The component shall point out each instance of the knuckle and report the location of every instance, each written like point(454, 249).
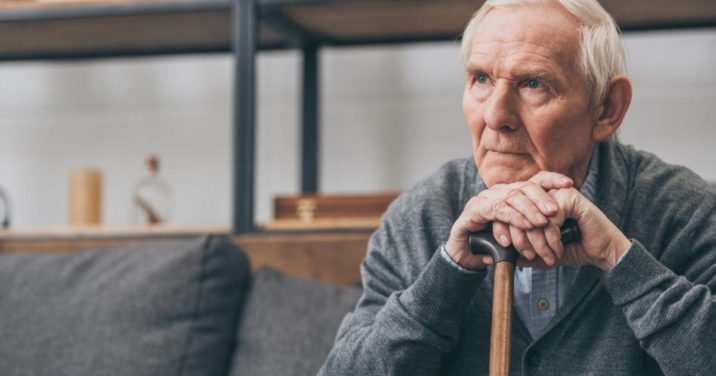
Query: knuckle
point(498, 206)
point(513, 193)
point(559, 194)
point(474, 200)
point(507, 214)
point(474, 217)
point(513, 185)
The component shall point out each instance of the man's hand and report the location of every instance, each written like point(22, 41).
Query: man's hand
point(602, 242)
point(515, 210)
point(528, 215)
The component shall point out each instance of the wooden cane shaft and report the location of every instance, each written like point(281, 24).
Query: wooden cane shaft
point(501, 319)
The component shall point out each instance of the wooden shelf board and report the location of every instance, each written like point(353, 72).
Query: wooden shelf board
point(54, 4)
point(103, 232)
point(346, 21)
point(105, 28)
point(323, 224)
point(327, 256)
point(119, 28)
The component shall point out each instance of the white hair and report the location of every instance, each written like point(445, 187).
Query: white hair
point(602, 50)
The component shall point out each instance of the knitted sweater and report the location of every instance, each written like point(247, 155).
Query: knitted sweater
point(654, 313)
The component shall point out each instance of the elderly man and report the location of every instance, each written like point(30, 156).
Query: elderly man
point(545, 94)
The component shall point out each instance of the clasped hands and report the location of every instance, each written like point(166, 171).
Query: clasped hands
point(528, 216)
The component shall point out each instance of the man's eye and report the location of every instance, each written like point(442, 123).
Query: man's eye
point(533, 83)
point(481, 79)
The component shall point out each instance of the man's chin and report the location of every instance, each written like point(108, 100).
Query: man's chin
point(502, 175)
point(505, 168)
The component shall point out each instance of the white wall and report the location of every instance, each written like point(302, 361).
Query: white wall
point(390, 116)
point(673, 112)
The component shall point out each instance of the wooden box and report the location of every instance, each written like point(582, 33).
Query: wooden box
point(334, 211)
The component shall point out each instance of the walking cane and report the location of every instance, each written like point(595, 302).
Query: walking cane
point(505, 260)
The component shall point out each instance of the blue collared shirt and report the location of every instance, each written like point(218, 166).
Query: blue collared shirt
point(540, 293)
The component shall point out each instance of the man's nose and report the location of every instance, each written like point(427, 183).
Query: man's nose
point(500, 112)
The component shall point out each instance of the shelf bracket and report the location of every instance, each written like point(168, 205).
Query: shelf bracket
point(310, 123)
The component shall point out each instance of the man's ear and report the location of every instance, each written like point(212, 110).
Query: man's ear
point(610, 113)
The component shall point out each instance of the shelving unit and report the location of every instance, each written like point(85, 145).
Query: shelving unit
point(82, 29)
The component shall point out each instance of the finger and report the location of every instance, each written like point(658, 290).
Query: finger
point(480, 211)
point(521, 244)
point(551, 180)
point(523, 204)
point(554, 239)
point(544, 201)
point(569, 201)
point(502, 233)
point(471, 219)
point(501, 211)
point(539, 244)
point(493, 206)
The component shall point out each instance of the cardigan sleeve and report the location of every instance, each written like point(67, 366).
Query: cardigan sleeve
point(673, 316)
point(402, 331)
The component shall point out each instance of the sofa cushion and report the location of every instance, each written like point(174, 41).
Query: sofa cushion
point(165, 308)
point(289, 325)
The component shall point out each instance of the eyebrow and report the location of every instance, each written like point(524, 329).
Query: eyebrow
point(519, 74)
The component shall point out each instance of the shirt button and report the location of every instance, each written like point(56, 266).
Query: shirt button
point(534, 358)
point(543, 304)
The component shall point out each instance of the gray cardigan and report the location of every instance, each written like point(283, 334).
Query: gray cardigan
point(654, 313)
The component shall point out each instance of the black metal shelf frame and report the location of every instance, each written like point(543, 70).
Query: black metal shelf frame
point(245, 38)
point(245, 47)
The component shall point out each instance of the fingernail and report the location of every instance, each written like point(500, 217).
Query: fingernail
point(550, 207)
point(549, 261)
point(528, 254)
point(541, 219)
point(504, 241)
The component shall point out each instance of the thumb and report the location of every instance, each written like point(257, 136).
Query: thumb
point(551, 180)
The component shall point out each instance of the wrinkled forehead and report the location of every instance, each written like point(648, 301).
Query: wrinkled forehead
point(547, 31)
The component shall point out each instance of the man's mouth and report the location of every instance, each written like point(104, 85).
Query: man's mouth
point(506, 152)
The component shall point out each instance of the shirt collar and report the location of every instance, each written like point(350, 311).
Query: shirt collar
point(589, 186)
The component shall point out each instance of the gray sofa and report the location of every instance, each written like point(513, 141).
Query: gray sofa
point(181, 308)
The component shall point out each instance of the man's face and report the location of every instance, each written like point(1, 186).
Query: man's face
point(526, 101)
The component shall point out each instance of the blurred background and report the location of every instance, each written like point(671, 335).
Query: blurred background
point(390, 115)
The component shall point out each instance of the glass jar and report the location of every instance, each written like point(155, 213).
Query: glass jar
point(151, 197)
